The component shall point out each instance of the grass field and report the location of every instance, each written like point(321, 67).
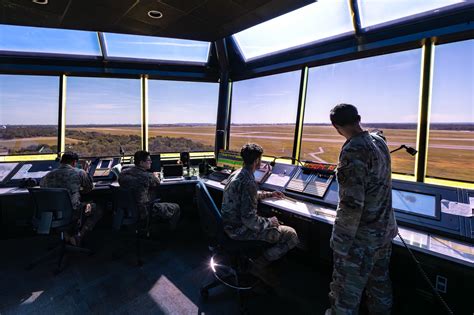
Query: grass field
point(26, 142)
point(450, 153)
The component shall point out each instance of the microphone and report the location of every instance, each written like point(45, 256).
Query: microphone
point(410, 150)
point(272, 163)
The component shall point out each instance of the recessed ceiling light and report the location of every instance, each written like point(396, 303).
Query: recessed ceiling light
point(154, 14)
point(40, 1)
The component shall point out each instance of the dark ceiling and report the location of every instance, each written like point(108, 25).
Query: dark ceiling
point(206, 20)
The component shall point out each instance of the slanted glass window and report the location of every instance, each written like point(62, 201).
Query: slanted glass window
point(322, 20)
point(156, 48)
point(264, 112)
point(181, 116)
point(451, 139)
point(379, 13)
point(28, 114)
point(385, 89)
point(103, 114)
point(37, 40)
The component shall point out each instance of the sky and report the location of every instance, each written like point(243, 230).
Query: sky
point(385, 88)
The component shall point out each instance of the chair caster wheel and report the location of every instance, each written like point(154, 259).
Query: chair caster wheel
point(204, 293)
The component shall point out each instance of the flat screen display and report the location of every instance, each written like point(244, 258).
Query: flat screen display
point(229, 159)
point(278, 180)
point(416, 203)
point(27, 171)
point(5, 169)
point(155, 163)
point(104, 164)
point(324, 167)
point(84, 164)
point(259, 175)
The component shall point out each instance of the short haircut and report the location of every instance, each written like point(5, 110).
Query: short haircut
point(250, 152)
point(344, 114)
point(69, 157)
point(140, 156)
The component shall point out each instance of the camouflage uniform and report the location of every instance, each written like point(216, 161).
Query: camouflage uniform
point(143, 185)
point(75, 181)
point(241, 221)
point(364, 227)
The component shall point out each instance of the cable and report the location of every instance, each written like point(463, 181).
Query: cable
point(425, 276)
point(412, 152)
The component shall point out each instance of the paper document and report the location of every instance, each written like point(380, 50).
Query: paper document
point(457, 208)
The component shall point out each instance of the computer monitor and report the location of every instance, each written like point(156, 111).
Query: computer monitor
point(5, 170)
point(155, 163)
point(34, 169)
point(101, 168)
point(84, 164)
point(229, 159)
point(172, 170)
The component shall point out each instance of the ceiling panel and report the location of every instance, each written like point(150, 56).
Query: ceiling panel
point(206, 20)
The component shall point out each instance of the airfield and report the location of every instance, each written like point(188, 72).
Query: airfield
point(448, 150)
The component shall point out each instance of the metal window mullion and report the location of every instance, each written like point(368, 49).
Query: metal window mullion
point(62, 114)
point(355, 15)
point(300, 114)
point(229, 111)
point(102, 45)
point(424, 110)
point(144, 111)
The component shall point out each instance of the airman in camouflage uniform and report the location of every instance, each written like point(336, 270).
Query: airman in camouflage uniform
point(76, 181)
point(143, 185)
point(239, 210)
point(365, 224)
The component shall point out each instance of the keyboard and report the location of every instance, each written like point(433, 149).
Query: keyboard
point(103, 183)
point(172, 178)
point(218, 176)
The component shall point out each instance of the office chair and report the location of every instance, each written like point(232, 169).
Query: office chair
point(230, 259)
point(126, 214)
point(53, 211)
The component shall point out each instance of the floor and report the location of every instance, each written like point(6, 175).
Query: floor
point(174, 269)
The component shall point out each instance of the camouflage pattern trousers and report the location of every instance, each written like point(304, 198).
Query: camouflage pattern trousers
point(165, 211)
point(89, 220)
point(363, 268)
point(283, 237)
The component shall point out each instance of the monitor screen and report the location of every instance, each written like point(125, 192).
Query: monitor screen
point(84, 164)
point(104, 164)
point(278, 180)
point(416, 203)
point(28, 171)
point(155, 163)
point(259, 175)
point(229, 159)
point(6, 169)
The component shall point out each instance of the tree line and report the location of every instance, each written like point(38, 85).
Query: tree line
point(96, 143)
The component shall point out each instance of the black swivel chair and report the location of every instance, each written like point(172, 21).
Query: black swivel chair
point(230, 259)
point(53, 212)
point(126, 215)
